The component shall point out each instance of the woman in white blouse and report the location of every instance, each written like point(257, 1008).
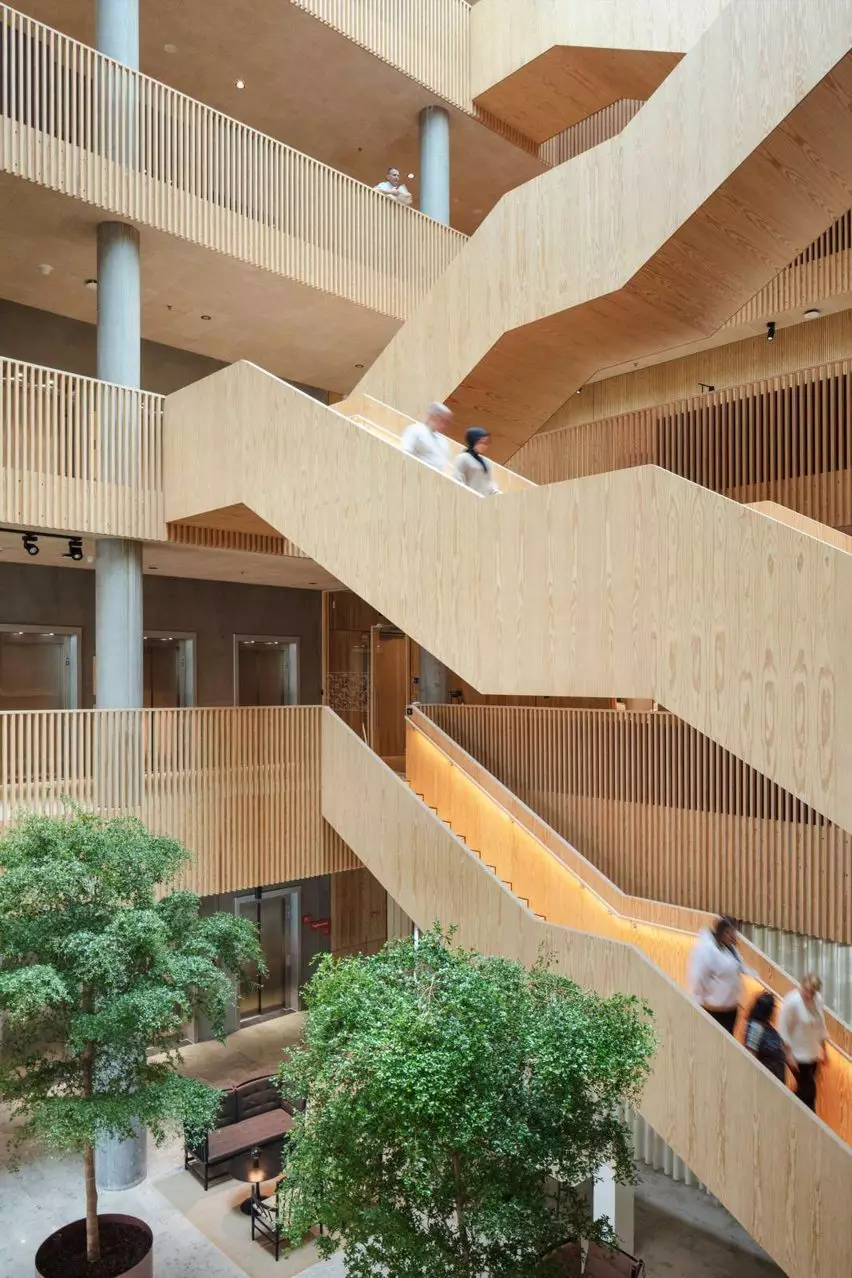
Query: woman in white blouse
point(716, 973)
point(801, 1025)
point(472, 468)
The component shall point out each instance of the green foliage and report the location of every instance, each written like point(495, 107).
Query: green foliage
point(95, 970)
point(452, 1099)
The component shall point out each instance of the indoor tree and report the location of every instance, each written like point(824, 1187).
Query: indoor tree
point(97, 966)
point(454, 1101)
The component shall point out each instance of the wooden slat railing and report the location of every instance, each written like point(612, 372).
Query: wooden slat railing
point(786, 439)
point(78, 454)
point(666, 813)
point(77, 122)
point(429, 40)
point(239, 787)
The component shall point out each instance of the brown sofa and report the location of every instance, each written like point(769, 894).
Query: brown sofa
point(253, 1114)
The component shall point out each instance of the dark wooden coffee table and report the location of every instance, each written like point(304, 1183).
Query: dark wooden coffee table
point(255, 1167)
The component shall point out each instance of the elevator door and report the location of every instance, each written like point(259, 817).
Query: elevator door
point(266, 672)
point(168, 671)
point(38, 670)
point(276, 915)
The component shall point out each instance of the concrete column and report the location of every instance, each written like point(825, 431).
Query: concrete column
point(616, 1202)
point(433, 682)
point(435, 163)
point(118, 564)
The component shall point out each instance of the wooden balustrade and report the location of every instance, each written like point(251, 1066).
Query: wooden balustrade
point(77, 122)
point(786, 439)
point(666, 813)
point(239, 787)
point(428, 40)
point(79, 454)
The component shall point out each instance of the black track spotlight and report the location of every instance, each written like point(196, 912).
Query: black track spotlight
point(770, 331)
point(75, 549)
point(30, 541)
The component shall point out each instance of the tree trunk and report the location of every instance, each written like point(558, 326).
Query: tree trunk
point(461, 1226)
point(93, 1236)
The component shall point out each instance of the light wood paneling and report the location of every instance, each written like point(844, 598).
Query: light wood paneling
point(637, 583)
point(597, 128)
point(783, 1174)
point(222, 539)
point(238, 787)
point(667, 814)
point(88, 127)
point(542, 65)
point(359, 914)
point(802, 346)
point(78, 454)
point(694, 212)
point(784, 439)
point(821, 272)
point(428, 40)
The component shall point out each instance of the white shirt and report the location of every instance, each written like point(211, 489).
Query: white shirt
point(715, 974)
point(430, 446)
point(802, 1029)
point(400, 193)
point(468, 471)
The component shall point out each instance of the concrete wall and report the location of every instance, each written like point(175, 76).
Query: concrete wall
point(40, 337)
point(213, 611)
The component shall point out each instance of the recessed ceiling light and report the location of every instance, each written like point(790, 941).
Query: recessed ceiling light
point(91, 284)
point(44, 268)
point(241, 84)
point(813, 313)
point(170, 48)
point(206, 317)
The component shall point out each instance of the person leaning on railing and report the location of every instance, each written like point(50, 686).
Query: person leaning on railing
point(394, 188)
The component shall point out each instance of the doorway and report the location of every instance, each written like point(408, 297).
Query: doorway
point(38, 668)
point(168, 671)
point(266, 670)
point(275, 913)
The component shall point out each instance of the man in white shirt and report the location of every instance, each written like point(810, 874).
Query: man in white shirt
point(394, 188)
point(801, 1025)
point(427, 440)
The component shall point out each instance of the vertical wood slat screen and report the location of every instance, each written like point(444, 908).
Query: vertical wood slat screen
point(822, 271)
point(666, 813)
point(229, 539)
point(77, 122)
point(427, 39)
point(786, 439)
point(239, 787)
point(79, 454)
point(591, 131)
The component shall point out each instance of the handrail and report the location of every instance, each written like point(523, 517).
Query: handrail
point(79, 454)
point(77, 122)
point(238, 786)
point(664, 811)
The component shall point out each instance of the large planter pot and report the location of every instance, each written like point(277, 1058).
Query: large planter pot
point(128, 1241)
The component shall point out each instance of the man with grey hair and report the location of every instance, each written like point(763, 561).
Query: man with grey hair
point(427, 440)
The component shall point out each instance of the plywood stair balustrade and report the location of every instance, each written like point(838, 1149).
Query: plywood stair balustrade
point(638, 583)
point(651, 240)
point(780, 1171)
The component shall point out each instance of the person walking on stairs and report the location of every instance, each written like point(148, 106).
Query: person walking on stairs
point(763, 1040)
point(472, 468)
point(802, 1027)
point(716, 972)
point(427, 440)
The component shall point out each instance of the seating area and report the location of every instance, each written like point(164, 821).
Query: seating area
point(253, 1114)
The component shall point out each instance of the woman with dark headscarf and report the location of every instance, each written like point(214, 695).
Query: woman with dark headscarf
point(472, 468)
point(764, 1041)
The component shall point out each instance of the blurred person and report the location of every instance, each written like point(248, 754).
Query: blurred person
point(394, 188)
point(472, 468)
point(427, 440)
point(802, 1027)
point(763, 1040)
point(716, 972)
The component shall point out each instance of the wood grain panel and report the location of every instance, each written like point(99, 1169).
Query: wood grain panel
point(542, 65)
point(637, 583)
point(79, 123)
point(597, 128)
point(666, 813)
point(694, 212)
point(727, 1118)
point(79, 455)
point(784, 439)
point(239, 787)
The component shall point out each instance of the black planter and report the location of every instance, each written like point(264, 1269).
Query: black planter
point(126, 1250)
